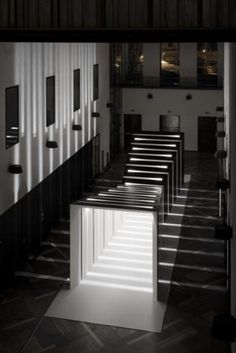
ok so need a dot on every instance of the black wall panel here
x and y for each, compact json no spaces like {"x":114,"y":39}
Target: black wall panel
{"x":28,"y":222}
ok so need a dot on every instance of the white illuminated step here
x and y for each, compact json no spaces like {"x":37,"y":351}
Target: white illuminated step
{"x":155,"y":144}
{"x":147,"y":165}
{"x":143,"y":171}
{"x":146,"y":160}
{"x":152,"y":135}
{"x":146,"y":149}
{"x":167,"y":155}
{"x":142,"y":178}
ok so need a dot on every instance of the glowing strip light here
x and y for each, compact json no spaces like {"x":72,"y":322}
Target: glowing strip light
{"x":130,"y":245}
{"x":148,"y":160}
{"x":152,"y":155}
{"x":148,"y":139}
{"x":136,"y":193}
{"x":117,"y":203}
{"x":154,"y":144}
{"x":150,"y":186}
{"x":147,"y":166}
{"x":146,"y":149}
{"x":158,"y":135}
{"x":144,"y":171}
{"x":125,"y":198}
{"x":143,"y":178}
{"x":120,"y":286}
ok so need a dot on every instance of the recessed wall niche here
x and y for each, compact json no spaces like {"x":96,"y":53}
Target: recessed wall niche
{"x":95,"y":82}
{"x":76,"y":89}
{"x":50,"y":100}
{"x":12,"y":116}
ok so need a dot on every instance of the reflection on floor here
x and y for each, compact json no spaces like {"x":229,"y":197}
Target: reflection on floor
{"x":190,"y":311}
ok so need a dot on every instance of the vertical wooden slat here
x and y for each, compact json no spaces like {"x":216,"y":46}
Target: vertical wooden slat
{"x":20,"y":13}
{"x":54,"y":13}
{"x":200,"y":13}
{"x":63,"y":13}
{"x":190,"y":13}
{"x":222,"y":13}
{"x":110,"y":11}
{"x":208,"y":13}
{"x":4,"y":15}
{"x":44,"y":13}
{"x":89,"y":13}
{"x":12,"y":13}
{"x":163,"y":13}
{"x":138,"y":13}
{"x":232,"y":11}
{"x":77,"y":13}
{"x":171,"y":13}
{"x":156,"y":13}
{"x":101,"y":13}
{"x":122,"y":13}
{"x":33,"y":13}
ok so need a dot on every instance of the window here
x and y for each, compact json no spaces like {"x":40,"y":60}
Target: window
{"x":76,"y":89}
{"x":169,"y":75}
{"x":12,"y":116}
{"x":95,"y":82}
{"x":207,"y":71}
{"x":50,"y":100}
{"x":133,"y":64}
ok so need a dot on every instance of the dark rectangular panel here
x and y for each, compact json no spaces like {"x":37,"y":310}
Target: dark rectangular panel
{"x":208,"y":15}
{"x":12,"y":116}
{"x":171,"y":8}
{"x":95,"y":82}
{"x":222,"y":13}
{"x":76,"y":89}
{"x":111,"y":13}
{"x":50,"y":100}
{"x":156,"y":13}
{"x":188,"y":13}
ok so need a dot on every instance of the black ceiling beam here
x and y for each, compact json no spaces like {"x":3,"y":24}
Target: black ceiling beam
{"x":117,"y":35}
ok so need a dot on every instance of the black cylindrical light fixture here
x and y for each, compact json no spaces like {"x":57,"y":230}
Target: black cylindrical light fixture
{"x":76,"y":127}
{"x":51,"y":144}
{"x":95,"y":115}
{"x":15,"y":169}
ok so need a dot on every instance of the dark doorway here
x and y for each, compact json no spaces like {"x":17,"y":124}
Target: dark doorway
{"x":206,"y":134}
{"x":132,"y":124}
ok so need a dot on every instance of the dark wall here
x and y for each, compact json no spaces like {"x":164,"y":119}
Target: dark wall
{"x":28,"y":222}
{"x":117,"y":13}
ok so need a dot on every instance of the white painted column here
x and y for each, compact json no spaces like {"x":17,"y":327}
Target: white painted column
{"x":151,"y":66}
{"x":188,"y":64}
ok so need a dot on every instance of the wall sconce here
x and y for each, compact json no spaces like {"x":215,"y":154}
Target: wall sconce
{"x":51,"y":144}
{"x":189,"y":97}
{"x":149,"y":96}
{"x":76,"y":127}
{"x":15,"y":169}
{"x":219,"y":109}
{"x":95,"y":115}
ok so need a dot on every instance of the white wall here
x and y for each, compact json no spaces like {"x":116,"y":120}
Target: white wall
{"x":28,"y":65}
{"x":172,"y":101}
